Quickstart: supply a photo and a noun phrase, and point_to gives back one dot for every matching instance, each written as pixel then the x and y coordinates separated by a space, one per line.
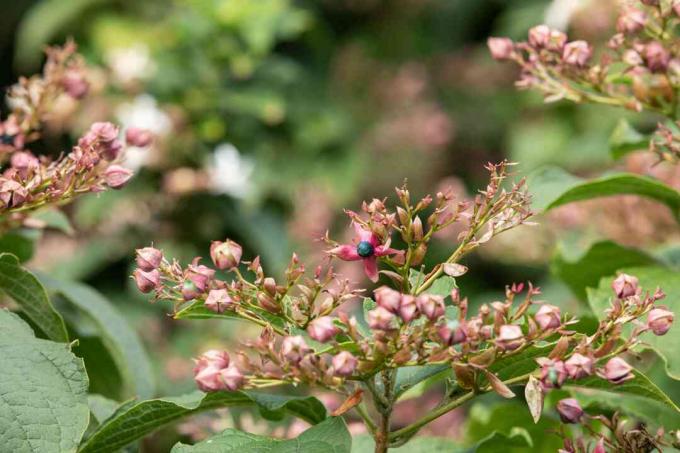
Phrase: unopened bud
pixel 430 305
pixel 617 371
pixel 117 176
pixel 631 20
pixel 548 317
pixel 570 410
pixel 408 309
pixel 656 56
pixel 135 136
pixel 579 366
pixel 218 300
pixel 344 364
pixel 510 337
pixel 539 36
pixel 149 258
pixel 577 53
pixel 381 319
pixel 294 348
pixel 388 298
pixel 75 84
pixel 659 320
pixel 225 255
pixel 322 329
pixel 625 286
pixel 500 48
pixel 147 281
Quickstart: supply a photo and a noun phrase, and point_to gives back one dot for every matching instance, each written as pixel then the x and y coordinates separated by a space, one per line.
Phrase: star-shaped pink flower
pixel 367 248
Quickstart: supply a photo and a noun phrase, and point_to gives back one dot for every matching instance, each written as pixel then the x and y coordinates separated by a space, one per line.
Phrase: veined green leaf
pixel 43 407
pixel 118 337
pixel 329 436
pixel 552 187
pixel 29 294
pixel 136 420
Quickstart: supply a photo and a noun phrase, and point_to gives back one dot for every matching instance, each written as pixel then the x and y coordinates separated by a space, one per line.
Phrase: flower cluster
pixel 607 343
pixel 29 182
pixel 639 69
pixel 617 435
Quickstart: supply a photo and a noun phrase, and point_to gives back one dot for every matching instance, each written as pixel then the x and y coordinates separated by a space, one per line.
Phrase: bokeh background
pixel 273 115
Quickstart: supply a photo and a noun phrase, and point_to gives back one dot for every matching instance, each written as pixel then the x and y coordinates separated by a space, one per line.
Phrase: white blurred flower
pixel 559 12
pixel 129 64
pixel 142 112
pixel 230 172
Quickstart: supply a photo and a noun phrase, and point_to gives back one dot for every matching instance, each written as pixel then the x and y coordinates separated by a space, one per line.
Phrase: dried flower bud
pixel 135 136
pixel 149 258
pixel 408 309
pixel 577 53
pixel 322 329
pixel 570 410
pixel 117 176
pixel 625 286
pixel 294 348
pixel 631 20
pixel 200 276
pixel 430 305
pixel 388 298
pixel 548 317
pixel 617 371
pixel 579 366
pixel 553 372
pixel 656 56
pixel 539 36
pixel 75 84
pixel 225 255
pixel 218 300
pixel 510 337
pixel 344 364
pixel 659 320
pixel 147 281
pixel 381 319
pixel 500 48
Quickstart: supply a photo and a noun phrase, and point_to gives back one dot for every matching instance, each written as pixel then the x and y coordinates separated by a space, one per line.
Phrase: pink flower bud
pixel 617 371
pixel 24 162
pixel 200 276
pixel 577 53
pixel 408 310
pixel 218 300
pixel 510 337
pixel 207 372
pixel 579 366
pixel 553 372
pixel 189 290
pixel 225 255
pixel 388 298
pixel 539 36
pixel 625 286
pixel 656 56
pixel 556 41
pixel 599 447
pixel 659 320
pixel 631 20
pixel 231 378
pixel 322 329
pixel 75 84
pixel 500 48
pixel 381 319
pixel 344 364
pixel 117 176
pixel 548 317
pixel 452 333
pixel 149 258
pixel 570 410
pixel 12 194
pixel 147 281
pixel 430 305
pixel 294 348
pixel 104 131
pixel 135 136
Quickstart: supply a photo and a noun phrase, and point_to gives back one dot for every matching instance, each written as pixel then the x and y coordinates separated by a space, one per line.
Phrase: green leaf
pixel 55 219
pixel 118 337
pixel 101 407
pixel 441 287
pixel 43 391
pixel 19 243
pixel 601 259
pixel 141 418
pixel 552 187
pixel 410 376
pixel 625 139
pixel 29 294
pixel 650 278
pixel 329 436
pixel 496 441
pixel 364 443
